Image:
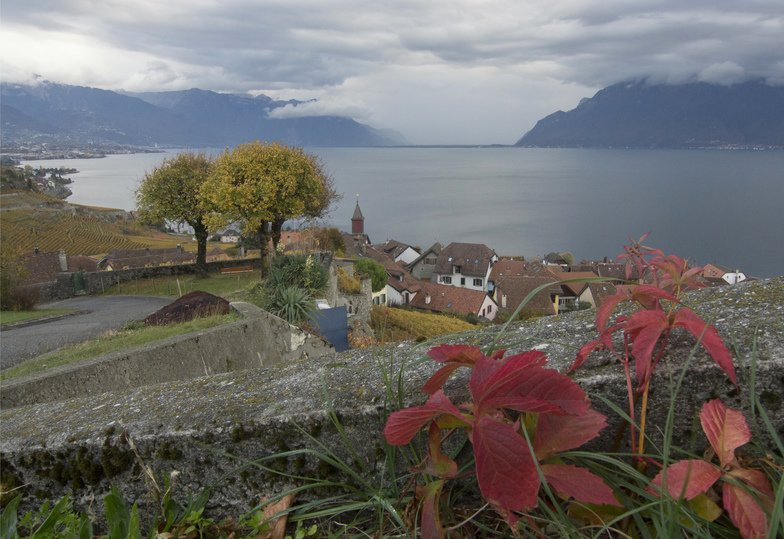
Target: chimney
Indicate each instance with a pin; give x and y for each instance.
(427, 299)
(63, 261)
(35, 249)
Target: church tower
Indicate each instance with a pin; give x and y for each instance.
(357, 221)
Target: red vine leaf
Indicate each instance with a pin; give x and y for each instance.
(711, 341)
(745, 511)
(438, 464)
(404, 424)
(555, 433)
(428, 495)
(455, 356)
(505, 467)
(578, 483)
(726, 430)
(687, 478)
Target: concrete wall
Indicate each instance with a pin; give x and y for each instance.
(259, 341)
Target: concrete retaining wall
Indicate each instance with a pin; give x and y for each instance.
(259, 341)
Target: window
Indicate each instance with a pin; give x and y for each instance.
(503, 301)
(456, 269)
(477, 282)
(462, 281)
(447, 280)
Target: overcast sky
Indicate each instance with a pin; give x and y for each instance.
(438, 71)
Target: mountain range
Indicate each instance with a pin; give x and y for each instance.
(195, 118)
(643, 115)
(625, 115)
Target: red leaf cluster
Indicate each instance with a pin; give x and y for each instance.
(506, 466)
(671, 277)
(747, 494)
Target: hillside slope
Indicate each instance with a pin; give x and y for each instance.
(29, 220)
(58, 112)
(641, 115)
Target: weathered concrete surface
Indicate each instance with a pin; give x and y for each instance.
(260, 340)
(192, 426)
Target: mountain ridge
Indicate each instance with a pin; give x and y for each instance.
(692, 115)
(54, 111)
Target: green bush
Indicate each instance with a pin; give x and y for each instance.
(301, 271)
(378, 275)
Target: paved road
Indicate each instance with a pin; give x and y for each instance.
(104, 313)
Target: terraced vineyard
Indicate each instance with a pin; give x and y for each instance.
(29, 220)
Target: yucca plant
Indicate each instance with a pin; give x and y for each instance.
(294, 305)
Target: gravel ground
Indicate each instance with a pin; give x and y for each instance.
(103, 313)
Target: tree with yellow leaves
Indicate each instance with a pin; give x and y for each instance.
(171, 192)
(259, 186)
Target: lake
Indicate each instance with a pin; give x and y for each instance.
(712, 206)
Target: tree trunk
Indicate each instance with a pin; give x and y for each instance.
(201, 233)
(277, 225)
(264, 237)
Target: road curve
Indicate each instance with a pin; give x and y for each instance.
(104, 313)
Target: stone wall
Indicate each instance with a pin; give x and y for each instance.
(358, 305)
(97, 282)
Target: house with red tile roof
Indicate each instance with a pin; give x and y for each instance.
(601, 291)
(401, 286)
(714, 273)
(511, 291)
(291, 240)
(452, 299)
(466, 265)
(398, 251)
(44, 267)
(613, 272)
(577, 292)
(423, 266)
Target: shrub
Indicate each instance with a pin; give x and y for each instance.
(294, 305)
(378, 275)
(24, 297)
(12, 273)
(347, 283)
(301, 271)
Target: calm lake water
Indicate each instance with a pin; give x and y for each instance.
(714, 206)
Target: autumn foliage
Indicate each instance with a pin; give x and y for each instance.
(746, 493)
(506, 462)
(524, 416)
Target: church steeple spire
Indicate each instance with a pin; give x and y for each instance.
(358, 220)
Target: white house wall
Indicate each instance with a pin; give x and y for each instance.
(407, 256)
(469, 279)
(490, 308)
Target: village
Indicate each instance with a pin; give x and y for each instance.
(469, 280)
